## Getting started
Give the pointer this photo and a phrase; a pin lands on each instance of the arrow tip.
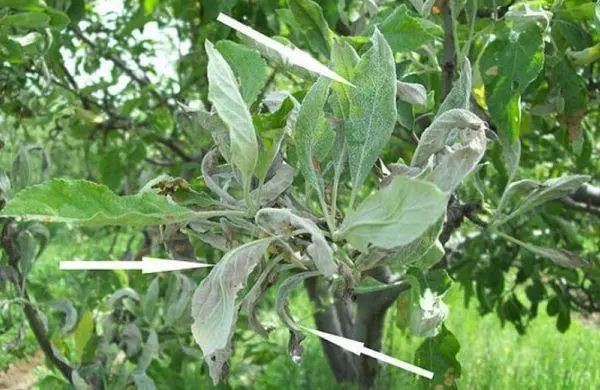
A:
(353, 346)
(153, 265)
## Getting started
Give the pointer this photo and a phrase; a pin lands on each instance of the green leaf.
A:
(248, 66)
(460, 94)
(443, 132)
(438, 354)
(149, 6)
(508, 65)
(372, 114)
(394, 216)
(224, 94)
(279, 221)
(83, 333)
(215, 305)
(311, 129)
(58, 20)
(91, 204)
(26, 20)
(408, 33)
(310, 16)
(27, 5)
(111, 171)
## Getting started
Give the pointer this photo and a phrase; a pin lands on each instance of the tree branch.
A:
(9, 235)
(142, 81)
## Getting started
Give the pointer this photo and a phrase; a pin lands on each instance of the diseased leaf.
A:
(438, 354)
(251, 300)
(28, 250)
(457, 161)
(122, 293)
(279, 183)
(248, 66)
(132, 338)
(286, 287)
(314, 26)
(91, 204)
(208, 170)
(148, 301)
(408, 33)
(372, 114)
(78, 382)
(508, 65)
(143, 382)
(445, 130)
(559, 256)
(66, 307)
(344, 59)
(460, 94)
(224, 94)
(394, 216)
(280, 221)
(215, 306)
(428, 311)
(178, 303)
(412, 93)
(549, 190)
(414, 252)
(311, 129)
(149, 352)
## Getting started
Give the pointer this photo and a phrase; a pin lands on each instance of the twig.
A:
(449, 51)
(143, 81)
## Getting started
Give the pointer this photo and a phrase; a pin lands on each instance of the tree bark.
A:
(327, 320)
(364, 323)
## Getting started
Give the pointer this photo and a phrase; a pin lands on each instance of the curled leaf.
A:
(281, 220)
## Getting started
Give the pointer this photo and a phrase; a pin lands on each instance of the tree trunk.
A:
(362, 321)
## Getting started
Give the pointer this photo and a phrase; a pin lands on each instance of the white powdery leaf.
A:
(394, 216)
(427, 317)
(215, 305)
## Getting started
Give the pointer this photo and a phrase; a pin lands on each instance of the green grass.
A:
(492, 357)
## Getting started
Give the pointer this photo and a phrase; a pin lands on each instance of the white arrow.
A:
(358, 348)
(294, 55)
(147, 265)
